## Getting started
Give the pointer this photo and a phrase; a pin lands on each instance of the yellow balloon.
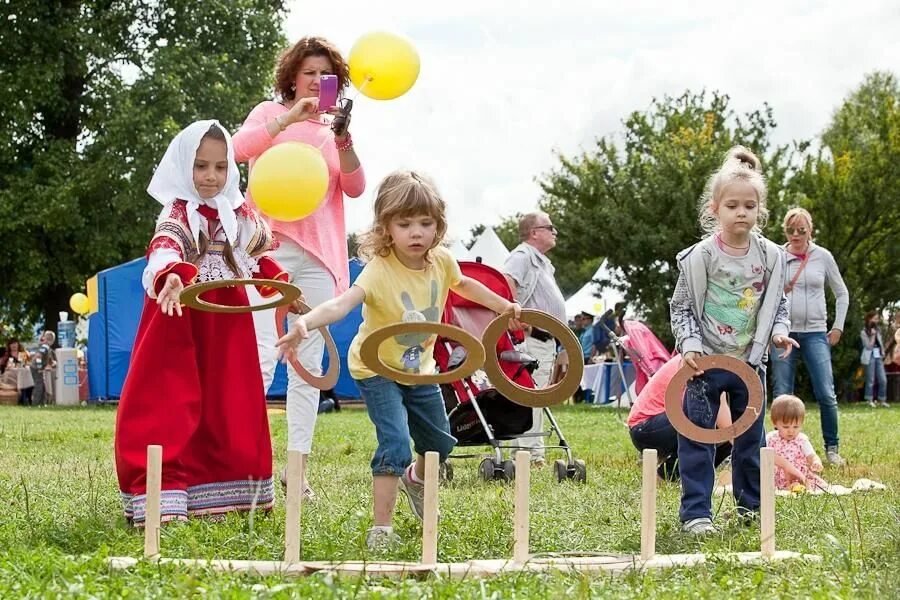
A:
(383, 65)
(79, 303)
(289, 181)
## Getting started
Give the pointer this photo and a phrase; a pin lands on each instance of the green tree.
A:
(91, 92)
(851, 186)
(475, 232)
(634, 200)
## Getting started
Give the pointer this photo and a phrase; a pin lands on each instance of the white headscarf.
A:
(174, 180)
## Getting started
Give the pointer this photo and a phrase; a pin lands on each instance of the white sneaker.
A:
(872, 403)
(833, 458)
(699, 526)
(415, 492)
(884, 404)
(381, 538)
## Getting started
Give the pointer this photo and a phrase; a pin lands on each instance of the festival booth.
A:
(606, 382)
(113, 326)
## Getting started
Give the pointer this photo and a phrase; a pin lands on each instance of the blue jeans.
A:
(816, 353)
(701, 405)
(657, 433)
(874, 369)
(402, 411)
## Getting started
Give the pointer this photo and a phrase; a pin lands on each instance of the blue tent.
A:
(120, 300)
(111, 330)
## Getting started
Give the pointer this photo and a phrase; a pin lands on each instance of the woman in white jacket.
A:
(809, 268)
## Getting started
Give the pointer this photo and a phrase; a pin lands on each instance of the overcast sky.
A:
(504, 85)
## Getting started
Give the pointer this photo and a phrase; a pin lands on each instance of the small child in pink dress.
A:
(795, 460)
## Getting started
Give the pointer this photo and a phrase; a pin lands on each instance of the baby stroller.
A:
(643, 348)
(478, 414)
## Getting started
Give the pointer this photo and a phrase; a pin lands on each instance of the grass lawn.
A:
(60, 518)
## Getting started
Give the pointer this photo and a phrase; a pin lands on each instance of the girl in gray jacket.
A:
(729, 300)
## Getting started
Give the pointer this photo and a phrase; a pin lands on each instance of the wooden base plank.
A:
(474, 568)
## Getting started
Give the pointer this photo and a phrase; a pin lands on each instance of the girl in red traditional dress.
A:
(194, 386)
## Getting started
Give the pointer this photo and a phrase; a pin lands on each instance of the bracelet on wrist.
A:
(280, 123)
(344, 145)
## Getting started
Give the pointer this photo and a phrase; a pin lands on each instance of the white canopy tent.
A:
(490, 249)
(590, 298)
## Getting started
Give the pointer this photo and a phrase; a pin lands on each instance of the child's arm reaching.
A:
(812, 459)
(169, 297)
(474, 290)
(780, 332)
(815, 463)
(792, 471)
(688, 339)
(325, 314)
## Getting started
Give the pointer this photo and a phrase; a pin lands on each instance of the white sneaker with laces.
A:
(884, 404)
(415, 492)
(699, 526)
(833, 458)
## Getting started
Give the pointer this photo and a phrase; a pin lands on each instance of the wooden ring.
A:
(190, 296)
(368, 352)
(329, 379)
(675, 400)
(535, 398)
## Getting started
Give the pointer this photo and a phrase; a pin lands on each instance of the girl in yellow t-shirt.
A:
(406, 279)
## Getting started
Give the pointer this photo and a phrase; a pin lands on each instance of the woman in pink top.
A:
(650, 428)
(313, 250)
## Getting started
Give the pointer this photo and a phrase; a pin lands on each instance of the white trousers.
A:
(545, 353)
(317, 284)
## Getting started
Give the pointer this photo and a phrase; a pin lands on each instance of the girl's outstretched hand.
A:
(690, 359)
(786, 343)
(287, 345)
(169, 297)
(795, 474)
(514, 323)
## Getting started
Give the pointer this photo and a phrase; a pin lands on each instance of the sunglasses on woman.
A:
(797, 230)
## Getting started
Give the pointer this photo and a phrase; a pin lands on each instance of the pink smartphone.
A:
(328, 92)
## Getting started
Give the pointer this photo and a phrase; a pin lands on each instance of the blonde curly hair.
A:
(402, 194)
(740, 164)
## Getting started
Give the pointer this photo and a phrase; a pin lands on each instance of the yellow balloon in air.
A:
(289, 181)
(79, 303)
(383, 65)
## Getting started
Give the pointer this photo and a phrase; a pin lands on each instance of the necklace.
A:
(747, 247)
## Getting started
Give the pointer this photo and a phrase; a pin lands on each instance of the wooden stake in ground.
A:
(152, 509)
(430, 518)
(648, 506)
(296, 473)
(522, 522)
(767, 501)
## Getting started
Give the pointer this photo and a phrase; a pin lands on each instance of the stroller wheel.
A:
(509, 470)
(446, 471)
(486, 468)
(580, 471)
(562, 471)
